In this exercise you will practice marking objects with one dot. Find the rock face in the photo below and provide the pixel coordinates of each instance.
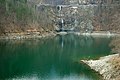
(79, 15)
(85, 15)
(104, 66)
(74, 17)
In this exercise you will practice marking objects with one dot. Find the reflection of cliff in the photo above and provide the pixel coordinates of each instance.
(20, 57)
(85, 43)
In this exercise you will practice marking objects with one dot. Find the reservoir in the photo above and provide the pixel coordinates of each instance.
(56, 58)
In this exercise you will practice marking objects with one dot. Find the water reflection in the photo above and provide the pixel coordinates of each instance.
(83, 40)
(50, 59)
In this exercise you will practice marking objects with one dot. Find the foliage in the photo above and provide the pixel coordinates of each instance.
(21, 15)
(107, 16)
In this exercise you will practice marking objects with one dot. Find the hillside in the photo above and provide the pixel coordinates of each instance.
(21, 16)
(18, 16)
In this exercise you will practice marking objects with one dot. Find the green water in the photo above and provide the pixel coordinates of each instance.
(51, 58)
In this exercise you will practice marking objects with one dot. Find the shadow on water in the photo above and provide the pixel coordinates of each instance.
(51, 59)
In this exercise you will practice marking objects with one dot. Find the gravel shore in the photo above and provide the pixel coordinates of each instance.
(108, 66)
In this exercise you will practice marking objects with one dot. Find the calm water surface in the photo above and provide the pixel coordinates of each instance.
(51, 59)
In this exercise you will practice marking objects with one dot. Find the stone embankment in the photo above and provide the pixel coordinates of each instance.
(108, 66)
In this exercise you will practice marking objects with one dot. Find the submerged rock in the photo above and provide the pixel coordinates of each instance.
(106, 66)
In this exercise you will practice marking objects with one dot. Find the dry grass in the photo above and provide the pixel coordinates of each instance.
(115, 44)
(115, 64)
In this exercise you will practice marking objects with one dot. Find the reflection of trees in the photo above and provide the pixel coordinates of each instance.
(86, 41)
(83, 44)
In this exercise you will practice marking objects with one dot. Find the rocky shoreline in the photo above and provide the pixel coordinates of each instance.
(108, 66)
(26, 35)
(95, 33)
